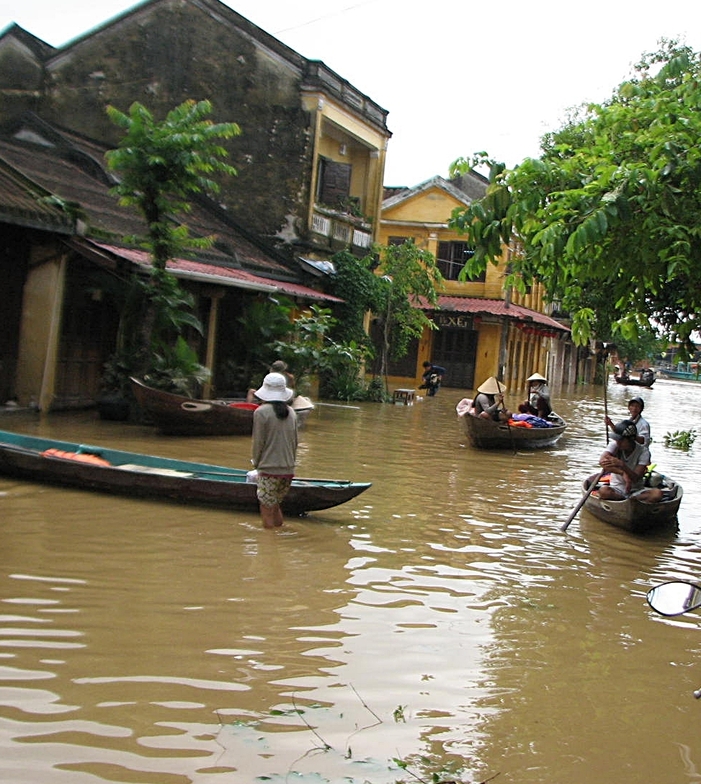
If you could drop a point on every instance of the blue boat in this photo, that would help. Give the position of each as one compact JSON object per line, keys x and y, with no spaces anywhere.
{"x":89,"y":467}
{"x":684,"y":371}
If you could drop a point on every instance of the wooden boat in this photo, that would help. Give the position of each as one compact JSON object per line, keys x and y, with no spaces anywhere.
{"x":177,"y":415}
{"x":645,"y":380}
{"x":487,"y":434}
{"x":632,"y":514}
{"x":148,"y":476}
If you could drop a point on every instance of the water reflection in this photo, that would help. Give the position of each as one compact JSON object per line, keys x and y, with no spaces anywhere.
{"x":441,"y":613}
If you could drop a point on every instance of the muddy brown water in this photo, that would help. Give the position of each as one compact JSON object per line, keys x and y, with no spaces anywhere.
{"x":442,"y":614}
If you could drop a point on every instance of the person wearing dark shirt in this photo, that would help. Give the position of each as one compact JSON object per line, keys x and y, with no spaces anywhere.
{"x":432,"y":377}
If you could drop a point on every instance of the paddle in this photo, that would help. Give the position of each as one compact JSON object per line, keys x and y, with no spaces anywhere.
{"x":606,"y":408}
{"x":586,"y":495}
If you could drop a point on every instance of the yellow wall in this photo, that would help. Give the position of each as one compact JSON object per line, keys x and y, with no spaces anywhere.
{"x":423,"y":217}
{"x":40,"y":329}
{"x":336,"y":127}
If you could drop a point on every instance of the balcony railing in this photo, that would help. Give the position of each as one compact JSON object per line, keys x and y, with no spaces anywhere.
{"x":341,"y":229}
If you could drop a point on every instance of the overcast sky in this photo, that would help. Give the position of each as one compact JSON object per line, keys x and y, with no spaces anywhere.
{"x":457,"y":76}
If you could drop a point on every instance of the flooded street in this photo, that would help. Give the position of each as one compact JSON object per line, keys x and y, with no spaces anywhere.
{"x":442,"y":614}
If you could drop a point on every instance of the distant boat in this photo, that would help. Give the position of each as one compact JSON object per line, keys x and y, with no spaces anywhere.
{"x":149,"y":476}
{"x":488,"y":434}
{"x":646,"y":379}
{"x":177,"y":415}
{"x":684,"y":371}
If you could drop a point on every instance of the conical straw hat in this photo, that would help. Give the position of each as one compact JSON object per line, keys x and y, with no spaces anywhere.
{"x":492,"y":387}
{"x":536,"y":377}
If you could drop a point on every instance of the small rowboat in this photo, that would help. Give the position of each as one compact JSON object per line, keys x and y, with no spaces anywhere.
{"x":488,"y":434}
{"x":646,"y":380}
{"x":149,"y":476}
{"x":177,"y":415}
{"x":632,"y":514}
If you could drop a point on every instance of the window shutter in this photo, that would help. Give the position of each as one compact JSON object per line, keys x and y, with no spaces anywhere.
{"x":334,"y":184}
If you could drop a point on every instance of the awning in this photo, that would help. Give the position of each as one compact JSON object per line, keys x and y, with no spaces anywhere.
{"x":187,"y":269}
{"x":317,"y":267}
{"x":497,"y":307}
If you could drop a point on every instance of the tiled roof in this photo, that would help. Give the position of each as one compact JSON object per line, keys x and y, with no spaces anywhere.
{"x":495,"y":307}
{"x":212,"y":273}
{"x":24,"y":203}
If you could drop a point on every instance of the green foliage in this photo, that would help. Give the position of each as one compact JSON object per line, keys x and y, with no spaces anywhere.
{"x":311,"y":350}
{"x":176,"y":368}
{"x":409,"y":277}
{"x":680,"y":439}
{"x":355,"y":283}
{"x":161,"y":164}
{"x":612,"y":205}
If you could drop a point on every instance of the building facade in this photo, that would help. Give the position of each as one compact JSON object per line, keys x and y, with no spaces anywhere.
{"x":310,"y":163}
{"x":484,"y":329}
{"x":311,"y":155}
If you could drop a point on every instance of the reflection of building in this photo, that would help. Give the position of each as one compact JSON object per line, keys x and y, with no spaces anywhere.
{"x":483,"y":330}
{"x":310,"y":164}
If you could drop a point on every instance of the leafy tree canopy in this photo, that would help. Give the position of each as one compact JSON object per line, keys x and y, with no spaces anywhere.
{"x":161,"y":164}
{"x":612,"y":208}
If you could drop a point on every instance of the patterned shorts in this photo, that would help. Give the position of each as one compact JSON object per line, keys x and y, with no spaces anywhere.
{"x":272,"y":489}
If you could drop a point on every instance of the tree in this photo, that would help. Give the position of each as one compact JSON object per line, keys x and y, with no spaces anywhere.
{"x":160,"y":165}
{"x":612,"y":208}
{"x":411,"y":278}
{"x":361,"y":291}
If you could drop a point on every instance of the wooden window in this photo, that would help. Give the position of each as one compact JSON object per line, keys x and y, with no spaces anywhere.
{"x":452,"y":257}
{"x":333,"y":185}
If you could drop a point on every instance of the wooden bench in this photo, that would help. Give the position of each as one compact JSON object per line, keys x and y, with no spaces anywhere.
{"x":403,"y":397}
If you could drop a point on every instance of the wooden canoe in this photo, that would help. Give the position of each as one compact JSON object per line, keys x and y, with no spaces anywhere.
{"x":632,"y":514}
{"x":149,"y":476}
{"x":635,"y":382}
{"x":177,"y":415}
{"x":487,"y":434}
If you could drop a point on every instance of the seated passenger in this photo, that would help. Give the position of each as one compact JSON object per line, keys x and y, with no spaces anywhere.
{"x":489,"y":403}
{"x":626,"y":460}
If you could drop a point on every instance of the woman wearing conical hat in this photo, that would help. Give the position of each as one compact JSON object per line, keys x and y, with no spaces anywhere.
{"x":538,"y":401}
{"x":489,"y":402}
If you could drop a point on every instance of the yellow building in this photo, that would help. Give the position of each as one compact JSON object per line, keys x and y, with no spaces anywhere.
{"x":483,"y":329}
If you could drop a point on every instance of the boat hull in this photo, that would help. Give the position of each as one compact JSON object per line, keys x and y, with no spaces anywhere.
{"x":178,"y":415}
{"x":487,"y":434}
{"x":631,"y":514}
{"x":150,"y":476}
{"x":633,"y":382}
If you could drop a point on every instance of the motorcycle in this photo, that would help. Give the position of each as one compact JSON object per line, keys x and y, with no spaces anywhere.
{"x":675,"y":598}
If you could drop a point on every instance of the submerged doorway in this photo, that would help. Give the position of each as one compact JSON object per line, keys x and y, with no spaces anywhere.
{"x":456,"y":351}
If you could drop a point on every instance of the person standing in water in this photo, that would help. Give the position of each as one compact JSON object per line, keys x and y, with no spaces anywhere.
{"x":274,"y":447}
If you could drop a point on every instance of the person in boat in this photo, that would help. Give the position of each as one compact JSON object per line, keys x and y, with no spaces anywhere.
{"x":635,"y":409}
{"x":432,"y":378}
{"x":489,"y":402}
{"x":626,"y":462}
{"x":274,"y":446}
{"x":279,"y":366}
{"x":538,"y":402}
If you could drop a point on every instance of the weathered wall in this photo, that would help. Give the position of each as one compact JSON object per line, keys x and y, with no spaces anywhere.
{"x":171,"y":51}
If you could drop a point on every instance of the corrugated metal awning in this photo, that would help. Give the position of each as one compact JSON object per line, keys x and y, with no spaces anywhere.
{"x":187,"y":269}
{"x":495,"y":307}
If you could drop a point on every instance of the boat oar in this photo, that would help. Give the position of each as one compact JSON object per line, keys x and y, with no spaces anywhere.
{"x":586,"y":495}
